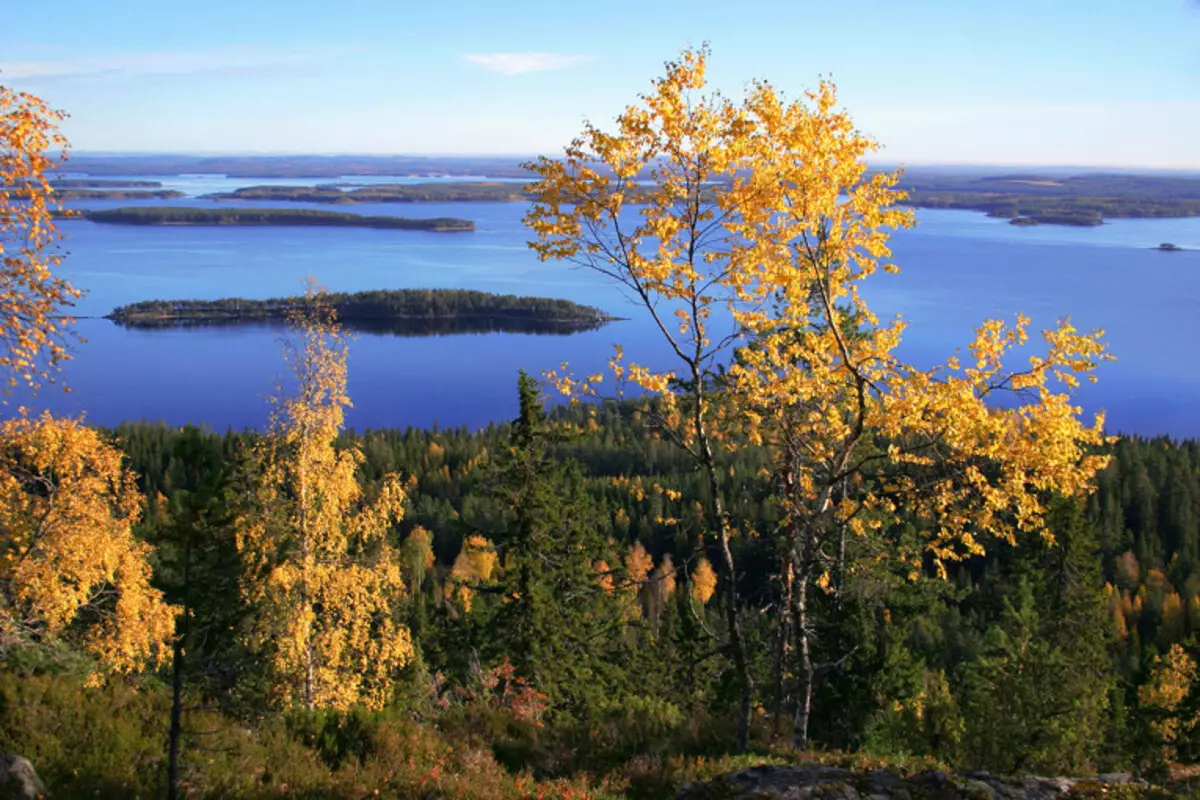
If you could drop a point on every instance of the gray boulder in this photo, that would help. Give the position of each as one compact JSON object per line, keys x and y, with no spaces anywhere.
{"x":19,"y":780}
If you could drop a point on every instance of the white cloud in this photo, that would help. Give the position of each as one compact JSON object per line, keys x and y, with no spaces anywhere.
{"x":518,"y":63}
{"x":168,"y":63}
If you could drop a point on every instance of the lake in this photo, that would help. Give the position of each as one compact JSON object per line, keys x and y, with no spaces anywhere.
{"x":958,"y":267}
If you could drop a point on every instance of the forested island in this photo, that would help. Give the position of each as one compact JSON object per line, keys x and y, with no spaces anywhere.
{"x":449,"y":192}
{"x":180,"y":215}
{"x":412,"y":312}
{"x":66,"y":189}
{"x":103,"y":183}
{"x":118,"y":194}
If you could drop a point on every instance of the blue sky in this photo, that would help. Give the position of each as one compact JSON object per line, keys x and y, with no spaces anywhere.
{"x":1096,"y":82}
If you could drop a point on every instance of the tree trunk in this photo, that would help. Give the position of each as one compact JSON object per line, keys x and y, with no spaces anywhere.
{"x":175,"y":733}
{"x":737,"y":642}
{"x":804,"y":663}
{"x":783,"y":626}
{"x":176,"y":730}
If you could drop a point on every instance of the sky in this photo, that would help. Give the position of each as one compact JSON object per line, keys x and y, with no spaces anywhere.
{"x":1062,"y":82}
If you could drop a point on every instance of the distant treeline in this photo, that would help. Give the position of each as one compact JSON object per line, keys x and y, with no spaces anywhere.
{"x":93,"y":183}
{"x":1024,"y":200}
{"x":1069,"y":210}
{"x":413,"y":312}
{"x":118,"y":194}
{"x":465,"y":191}
{"x":180,"y":215}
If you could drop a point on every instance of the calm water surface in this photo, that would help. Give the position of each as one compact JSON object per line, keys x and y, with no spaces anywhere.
{"x":958,"y":267}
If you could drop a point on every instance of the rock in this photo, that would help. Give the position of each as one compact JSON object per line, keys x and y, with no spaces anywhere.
{"x":884,"y":782}
{"x":930,"y":779}
{"x":19,"y":780}
{"x":832,"y":790}
{"x":1112,"y":778}
{"x":976,"y":789}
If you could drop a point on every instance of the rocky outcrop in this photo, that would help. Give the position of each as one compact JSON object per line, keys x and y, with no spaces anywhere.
{"x":18,"y":779}
{"x":815,"y":782}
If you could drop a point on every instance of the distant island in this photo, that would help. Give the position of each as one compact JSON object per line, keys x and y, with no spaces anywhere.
{"x":411,"y":312}
{"x":103,"y":183}
{"x":181,"y":215}
{"x":118,"y":194}
{"x":1168,"y":247}
{"x":1037,"y":199}
{"x":97,"y":189}
{"x":449,"y":192}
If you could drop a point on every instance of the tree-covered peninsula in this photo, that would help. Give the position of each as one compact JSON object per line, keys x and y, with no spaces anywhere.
{"x":412,"y":312}
{"x":164,"y":215}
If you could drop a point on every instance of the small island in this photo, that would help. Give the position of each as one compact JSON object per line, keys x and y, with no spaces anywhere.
{"x":404,"y":312}
{"x":1168,"y":247}
{"x":181,"y":215}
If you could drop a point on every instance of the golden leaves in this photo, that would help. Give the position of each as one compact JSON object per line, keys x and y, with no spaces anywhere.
{"x":475,"y":565}
{"x":67,"y":550}
{"x":704,"y":581}
{"x":324,"y":575}
{"x":33,"y":331}
{"x":765,"y":208}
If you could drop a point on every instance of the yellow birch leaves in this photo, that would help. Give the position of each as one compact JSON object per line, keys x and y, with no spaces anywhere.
{"x":70,"y":566}
{"x":324,"y":574}
{"x":765,"y":210}
{"x":33,"y":331}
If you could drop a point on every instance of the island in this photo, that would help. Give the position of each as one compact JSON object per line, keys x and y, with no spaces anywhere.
{"x":448,"y":192}
{"x":183,"y":215}
{"x":102,"y":183}
{"x":118,"y":194}
{"x":404,"y":312}
{"x":1168,"y":247}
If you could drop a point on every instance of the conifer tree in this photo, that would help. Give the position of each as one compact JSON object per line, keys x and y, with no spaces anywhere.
{"x":558,"y":622}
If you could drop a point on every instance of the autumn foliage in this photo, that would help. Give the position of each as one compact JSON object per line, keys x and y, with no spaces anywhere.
{"x":34,"y":334}
{"x":70,"y":567}
{"x":325,"y":574}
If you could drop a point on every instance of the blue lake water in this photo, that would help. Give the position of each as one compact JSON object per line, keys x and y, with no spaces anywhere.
{"x":958,"y":268}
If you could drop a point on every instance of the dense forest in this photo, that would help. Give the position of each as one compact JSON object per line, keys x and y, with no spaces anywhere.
{"x":1038,"y":657}
{"x":412,"y":311}
{"x":180,"y":215}
{"x":1119,"y":588}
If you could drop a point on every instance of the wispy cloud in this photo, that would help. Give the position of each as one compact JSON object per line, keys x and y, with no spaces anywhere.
{"x":167,"y":63}
{"x":518,"y":63}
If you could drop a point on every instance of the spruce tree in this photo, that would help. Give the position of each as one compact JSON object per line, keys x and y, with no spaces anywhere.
{"x":558,"y":620}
